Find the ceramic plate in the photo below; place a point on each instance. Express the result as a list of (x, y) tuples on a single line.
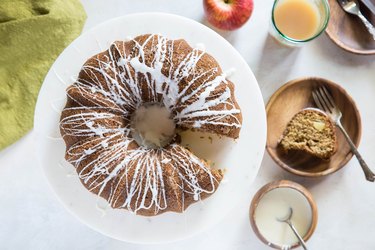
[(241, 158)]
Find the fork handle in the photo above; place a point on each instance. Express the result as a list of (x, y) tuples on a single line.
[(370, 176), (368, 25)]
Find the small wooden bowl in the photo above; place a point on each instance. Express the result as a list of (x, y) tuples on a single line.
[(283, 184), (295, 96), (348, 32)]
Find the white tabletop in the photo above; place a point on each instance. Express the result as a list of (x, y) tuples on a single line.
[(31, 217)]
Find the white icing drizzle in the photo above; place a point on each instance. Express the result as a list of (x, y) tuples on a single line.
[(102, 206), (201, 46), (77, 49), (98, 43), (108, 158), (59, 78), (58, 102), (229, 72), (57, 138)]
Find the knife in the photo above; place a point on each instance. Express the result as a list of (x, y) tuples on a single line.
[(351, 7), (369, 4)]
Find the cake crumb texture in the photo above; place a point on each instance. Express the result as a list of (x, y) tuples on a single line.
[(310, 131)]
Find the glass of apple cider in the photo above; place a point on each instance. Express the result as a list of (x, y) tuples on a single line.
[(295, 22)]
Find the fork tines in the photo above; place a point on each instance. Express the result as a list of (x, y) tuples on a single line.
[(323, 99)]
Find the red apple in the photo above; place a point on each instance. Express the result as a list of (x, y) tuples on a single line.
[(228, 14)]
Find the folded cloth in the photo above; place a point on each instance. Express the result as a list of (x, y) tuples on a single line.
[(32, 34)]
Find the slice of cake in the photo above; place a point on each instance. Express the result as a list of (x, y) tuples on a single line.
[(310, 131)]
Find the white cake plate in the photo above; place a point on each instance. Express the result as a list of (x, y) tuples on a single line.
[(241, 158)]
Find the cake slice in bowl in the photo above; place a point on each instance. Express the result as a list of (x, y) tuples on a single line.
[(310, 131)]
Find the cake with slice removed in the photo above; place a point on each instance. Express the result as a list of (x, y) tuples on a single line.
[(136, 163)]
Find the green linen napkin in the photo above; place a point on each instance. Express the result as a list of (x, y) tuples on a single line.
[(32, 34)]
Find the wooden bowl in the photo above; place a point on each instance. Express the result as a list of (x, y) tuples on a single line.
[(283, 184), (348, 32), (295, 96)]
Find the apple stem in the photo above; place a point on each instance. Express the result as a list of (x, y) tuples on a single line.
[(227, 1)]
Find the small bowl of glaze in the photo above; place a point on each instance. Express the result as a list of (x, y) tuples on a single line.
[(273, 201)]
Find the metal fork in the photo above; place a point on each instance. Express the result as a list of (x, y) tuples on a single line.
[(350, 6), (325, 102)]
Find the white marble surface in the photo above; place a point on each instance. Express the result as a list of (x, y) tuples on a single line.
[(32, 218)]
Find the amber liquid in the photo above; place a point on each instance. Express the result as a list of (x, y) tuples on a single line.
[(297, 19)]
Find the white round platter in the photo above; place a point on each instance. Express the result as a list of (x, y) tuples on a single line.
[(240, 158)]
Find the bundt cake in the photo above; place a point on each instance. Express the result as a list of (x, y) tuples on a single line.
[(312, 132), (97, 123)]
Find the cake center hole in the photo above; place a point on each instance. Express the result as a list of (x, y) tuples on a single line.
[(152, 125)]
